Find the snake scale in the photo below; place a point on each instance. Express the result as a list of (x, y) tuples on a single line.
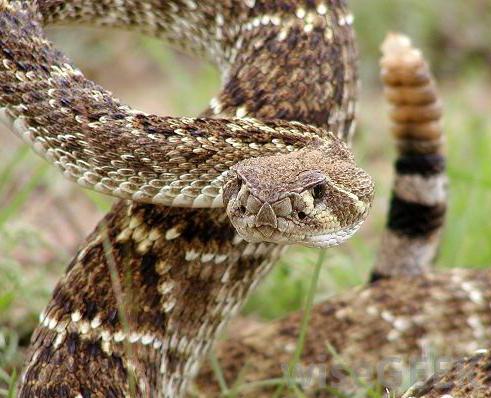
[(388, 333), (410, 321), (144, 298)]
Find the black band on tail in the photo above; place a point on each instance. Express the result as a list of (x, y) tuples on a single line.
[(425, 165), (377, 276), (413, 219)]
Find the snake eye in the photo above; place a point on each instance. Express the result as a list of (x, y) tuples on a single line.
[(319, 191)]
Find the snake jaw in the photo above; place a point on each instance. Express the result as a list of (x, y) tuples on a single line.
[(316, 197), (331, 239), (293, 219)]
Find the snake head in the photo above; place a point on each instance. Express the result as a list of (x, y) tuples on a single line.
[(317, 196)]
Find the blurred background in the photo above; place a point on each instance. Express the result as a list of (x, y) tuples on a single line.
[(43, 217)]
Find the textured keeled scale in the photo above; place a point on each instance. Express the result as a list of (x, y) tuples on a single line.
[(189, 162), (408, 318), (170, 306), (391, 333), (467, 377), (143, 300), (189, 270), (103, 144)]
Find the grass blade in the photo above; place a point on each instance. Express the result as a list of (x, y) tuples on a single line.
[(307, 313), (217, 370)]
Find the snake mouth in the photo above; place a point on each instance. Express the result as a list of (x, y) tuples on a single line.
[(316, 214), (331, 239), (289, 220), (273, 235)]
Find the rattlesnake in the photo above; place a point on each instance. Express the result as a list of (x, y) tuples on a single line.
[(262, 149), (407, 318), (467, 377), (390, 334), (282, 182), (410, 321)]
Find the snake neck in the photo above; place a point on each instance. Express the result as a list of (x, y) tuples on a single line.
[(144, 300), (297, 66)]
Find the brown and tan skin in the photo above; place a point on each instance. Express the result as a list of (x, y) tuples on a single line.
[(469, 377), (152, 286), (185, 162), (419, 196), (380, 332), (266, 191), (408, 319), (406, 311)]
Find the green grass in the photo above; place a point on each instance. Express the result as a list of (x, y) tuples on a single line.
[(468, 125), (27, 277)]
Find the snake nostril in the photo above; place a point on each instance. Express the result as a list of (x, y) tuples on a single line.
[(242, 209), (301, 215)]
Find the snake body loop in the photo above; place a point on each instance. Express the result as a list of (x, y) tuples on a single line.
[(103, 144), (272, 147)]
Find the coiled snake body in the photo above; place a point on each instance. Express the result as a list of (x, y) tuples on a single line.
[(145, 296), (408, 320)]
